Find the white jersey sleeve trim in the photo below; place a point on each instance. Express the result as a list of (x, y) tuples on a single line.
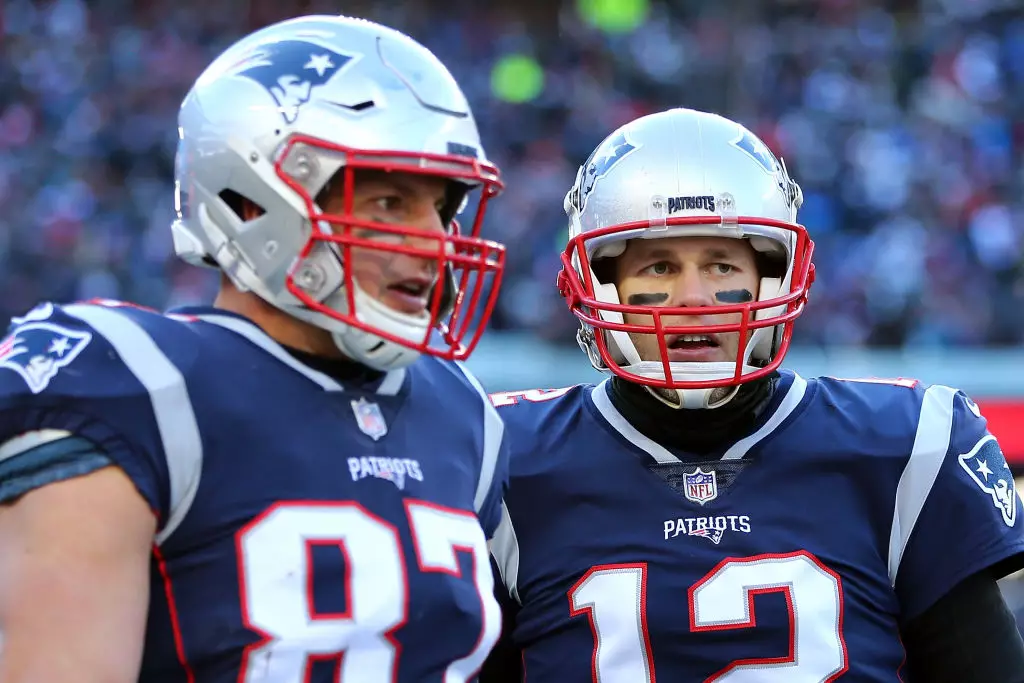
[(29, 440), (168, 394), (931, 442)]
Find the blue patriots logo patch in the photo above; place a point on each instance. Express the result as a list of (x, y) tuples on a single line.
[(986, 465), (290, 70), (38, 350), (607, 155), (757, 151)]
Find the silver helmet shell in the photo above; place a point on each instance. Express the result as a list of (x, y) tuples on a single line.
[(685, 173), (302, 104)]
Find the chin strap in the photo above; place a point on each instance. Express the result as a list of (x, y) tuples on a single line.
[(695, 399), (372, 351)]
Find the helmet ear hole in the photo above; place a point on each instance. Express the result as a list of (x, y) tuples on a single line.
[(455, 195), (243, 207), (770, 264), (605, 269)]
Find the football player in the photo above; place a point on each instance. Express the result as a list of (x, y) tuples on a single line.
[(297, 483), (704, 514)]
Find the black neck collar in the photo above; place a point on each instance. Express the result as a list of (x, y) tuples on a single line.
[(343, 370), (694, 431)]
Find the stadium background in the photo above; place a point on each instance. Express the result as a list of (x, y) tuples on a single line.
[(903, 120)]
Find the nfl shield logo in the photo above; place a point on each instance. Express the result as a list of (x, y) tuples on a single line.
[(369, 418), (700, 487)]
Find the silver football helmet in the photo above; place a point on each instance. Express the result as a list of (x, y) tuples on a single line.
[(298, 107), (685, 173)]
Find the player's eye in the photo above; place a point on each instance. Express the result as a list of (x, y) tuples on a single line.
[(658, 268), (388, 202), (723, 268)]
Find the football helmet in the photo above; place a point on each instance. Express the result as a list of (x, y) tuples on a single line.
[(298, 107), (685, 173)]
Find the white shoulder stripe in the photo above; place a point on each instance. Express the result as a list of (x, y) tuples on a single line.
[(168, 393), (794, 395), (604, 405), (505, 550), (494, 432), (931, 442), (392, 382)]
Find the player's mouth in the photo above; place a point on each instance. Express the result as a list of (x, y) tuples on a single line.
[(411, 295), (684, 348)]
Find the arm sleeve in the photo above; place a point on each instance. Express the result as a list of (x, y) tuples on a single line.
[(967, 636), (44, 457), (968, 515), (70, 402)]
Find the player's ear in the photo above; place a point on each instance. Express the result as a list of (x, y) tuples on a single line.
[(250, 210)]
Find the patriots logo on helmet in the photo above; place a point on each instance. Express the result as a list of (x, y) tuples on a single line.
[(38, 350), (609, 153), (290, 69), (757, 151)]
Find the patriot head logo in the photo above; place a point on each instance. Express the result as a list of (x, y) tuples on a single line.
[(757, 151), (609, 153), (290, 69), (713, 534), (986, 465), (38, 350)]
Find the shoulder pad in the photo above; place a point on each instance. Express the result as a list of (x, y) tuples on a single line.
[(42, 342), (115, 375), (905, 382), (83, 349)]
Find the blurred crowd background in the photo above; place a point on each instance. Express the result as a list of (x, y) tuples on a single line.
[(902, 121)]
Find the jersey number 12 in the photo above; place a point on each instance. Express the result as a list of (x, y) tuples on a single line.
[(614, 597)]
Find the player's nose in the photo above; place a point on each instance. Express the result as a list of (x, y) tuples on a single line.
[(429, 230), (427, 239), (690, 290)]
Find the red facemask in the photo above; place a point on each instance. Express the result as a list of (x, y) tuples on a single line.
[(469, 267), (578, 289)]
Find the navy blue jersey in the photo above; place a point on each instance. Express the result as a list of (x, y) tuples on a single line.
[(308, 531), (795, 557)]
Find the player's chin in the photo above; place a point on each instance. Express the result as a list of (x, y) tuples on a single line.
[(698, 355)]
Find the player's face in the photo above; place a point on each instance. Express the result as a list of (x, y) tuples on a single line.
[(400, 281), (687, 272)]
